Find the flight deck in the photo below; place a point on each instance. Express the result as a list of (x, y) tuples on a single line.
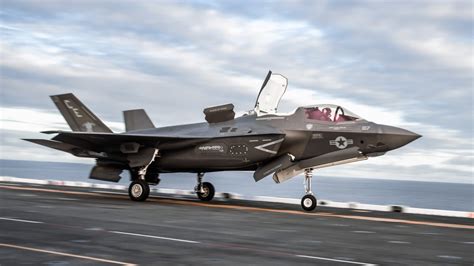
[(58, 225)]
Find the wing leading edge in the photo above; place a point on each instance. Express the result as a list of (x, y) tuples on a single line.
[(66, 141)]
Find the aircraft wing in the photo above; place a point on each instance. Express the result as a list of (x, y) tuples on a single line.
[(97, 141)]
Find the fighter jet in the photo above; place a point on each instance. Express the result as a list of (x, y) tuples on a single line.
[(262, 140)]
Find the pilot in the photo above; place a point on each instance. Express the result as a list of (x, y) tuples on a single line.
[(326, 114), (314, 113)]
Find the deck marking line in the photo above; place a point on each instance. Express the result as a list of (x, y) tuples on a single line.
[(67, 254), (449, 257), (20, 220), (157, 237), (398, 242), (336, 260), (60, 191), (321, 214), (110, 192), (235, 207), (363, 232)]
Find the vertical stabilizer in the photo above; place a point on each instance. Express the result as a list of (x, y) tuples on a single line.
[(137, 120), (77, 115)]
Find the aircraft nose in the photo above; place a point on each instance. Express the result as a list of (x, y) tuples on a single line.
[(395, 137)]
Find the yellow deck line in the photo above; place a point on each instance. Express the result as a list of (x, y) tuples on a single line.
[(247, 208), (324, 214)]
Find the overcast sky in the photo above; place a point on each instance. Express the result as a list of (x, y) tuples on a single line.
[(403, 63)]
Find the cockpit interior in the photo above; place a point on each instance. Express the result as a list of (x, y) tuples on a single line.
[(330, 113)]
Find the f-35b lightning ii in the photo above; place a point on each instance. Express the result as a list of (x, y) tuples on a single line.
[(262, 141)]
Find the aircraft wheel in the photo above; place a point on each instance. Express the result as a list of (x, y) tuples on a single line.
[(308, 202), (139, 190), (208, 193)]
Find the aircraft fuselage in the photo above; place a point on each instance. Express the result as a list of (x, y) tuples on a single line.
[(236, 147)]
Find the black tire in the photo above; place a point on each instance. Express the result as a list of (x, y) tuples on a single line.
[(309, 203), (209, 192), (138, 190)]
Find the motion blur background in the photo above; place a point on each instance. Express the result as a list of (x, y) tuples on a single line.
[(403, 63)]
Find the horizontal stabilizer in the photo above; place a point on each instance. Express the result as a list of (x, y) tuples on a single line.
[(57, 145), (137, 120), (77, 115), (66, 147)]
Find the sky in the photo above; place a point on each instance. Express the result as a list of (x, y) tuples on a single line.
[(402, 63)]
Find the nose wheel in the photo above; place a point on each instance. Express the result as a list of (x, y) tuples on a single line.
[(308, 202), (204, 190)]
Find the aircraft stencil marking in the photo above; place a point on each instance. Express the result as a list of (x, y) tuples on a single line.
[(341, 142), (216, 148), (74, 109), (262, 147), (317, 136), (88, 126)]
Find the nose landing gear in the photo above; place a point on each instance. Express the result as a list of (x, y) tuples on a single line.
[(308, 202)]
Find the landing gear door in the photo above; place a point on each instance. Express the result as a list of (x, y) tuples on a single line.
[(270, 94)]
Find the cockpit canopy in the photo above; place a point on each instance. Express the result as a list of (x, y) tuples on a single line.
[(273, 88), (330, 113)]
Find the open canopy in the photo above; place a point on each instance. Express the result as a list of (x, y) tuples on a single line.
[(273, 88), (270, 94)]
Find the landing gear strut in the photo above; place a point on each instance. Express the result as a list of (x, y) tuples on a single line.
[(204, 190), (308, 202), (139, 189)]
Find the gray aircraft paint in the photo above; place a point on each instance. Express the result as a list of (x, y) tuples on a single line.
[(251, 142)]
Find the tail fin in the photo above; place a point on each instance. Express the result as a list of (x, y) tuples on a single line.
[(136, 120), (77, 115)]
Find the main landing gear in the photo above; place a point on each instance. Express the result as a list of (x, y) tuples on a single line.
[(204, 190), (139, 190), (308, 202)]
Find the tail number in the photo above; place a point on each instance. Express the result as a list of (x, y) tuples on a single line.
[(74, 109)]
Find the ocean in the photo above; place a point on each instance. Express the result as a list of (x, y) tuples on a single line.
[(432, 195)]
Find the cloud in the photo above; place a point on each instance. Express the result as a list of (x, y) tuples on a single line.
[(408, 65), (37, 120)]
